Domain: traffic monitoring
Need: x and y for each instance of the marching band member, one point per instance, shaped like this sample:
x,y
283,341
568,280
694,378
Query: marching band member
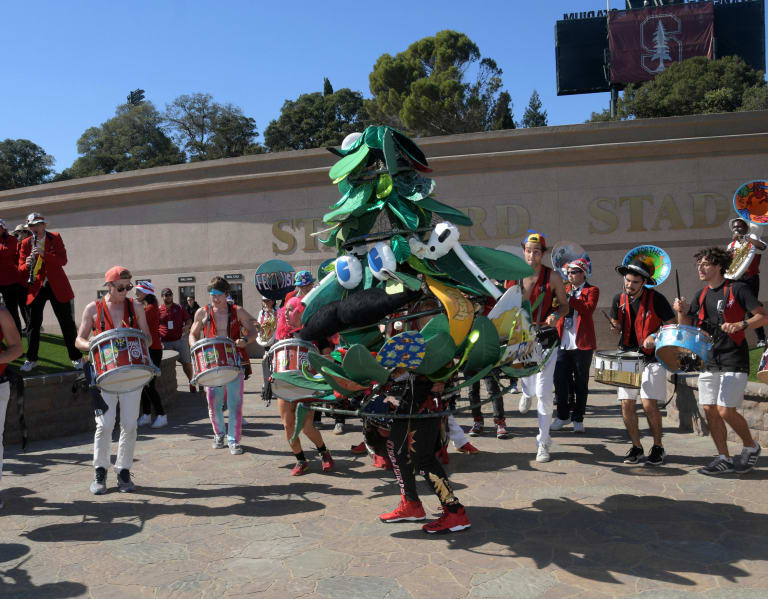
x,y
10,279
637,314
541,384
230,319
577,342
9,334
741,238
150,398
721,309
266,322
113,311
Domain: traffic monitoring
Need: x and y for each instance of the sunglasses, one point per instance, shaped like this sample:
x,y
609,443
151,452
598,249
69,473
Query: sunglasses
x,y
574,272
120,289
167,295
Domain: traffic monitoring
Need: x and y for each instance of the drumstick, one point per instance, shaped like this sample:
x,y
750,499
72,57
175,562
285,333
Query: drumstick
x,y
677,282
610,322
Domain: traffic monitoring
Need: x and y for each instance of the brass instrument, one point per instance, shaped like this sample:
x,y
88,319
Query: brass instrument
x,y
742,258
267,329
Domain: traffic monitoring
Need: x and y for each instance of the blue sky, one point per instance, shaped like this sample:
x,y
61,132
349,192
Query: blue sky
x,y
68,64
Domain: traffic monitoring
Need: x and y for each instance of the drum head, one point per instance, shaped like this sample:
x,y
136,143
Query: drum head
x,y
216,377
125,379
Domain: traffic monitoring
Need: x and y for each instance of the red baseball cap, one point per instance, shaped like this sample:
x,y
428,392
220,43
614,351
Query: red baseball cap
x,y
116,273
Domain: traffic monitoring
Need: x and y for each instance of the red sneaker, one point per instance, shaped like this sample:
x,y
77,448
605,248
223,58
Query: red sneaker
x,y
448,522
299,469
410,511
468,448
381,462
327,462
360,449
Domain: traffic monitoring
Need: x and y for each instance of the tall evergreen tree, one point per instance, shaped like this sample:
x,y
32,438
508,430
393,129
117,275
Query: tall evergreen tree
x,y
327,87
534,116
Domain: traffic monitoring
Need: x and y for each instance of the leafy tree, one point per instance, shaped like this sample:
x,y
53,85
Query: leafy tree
x,y
534,116
502,113
755,98
132,139
426,89
694,86
207,130
23,163
602,117
315,120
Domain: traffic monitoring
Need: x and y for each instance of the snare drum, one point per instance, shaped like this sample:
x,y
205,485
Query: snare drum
x,y
120,359
215,361
676,341
619,368
289,355
762,369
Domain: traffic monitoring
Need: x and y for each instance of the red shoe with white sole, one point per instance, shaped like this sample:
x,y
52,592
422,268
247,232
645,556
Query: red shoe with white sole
x,y
406,511
448,522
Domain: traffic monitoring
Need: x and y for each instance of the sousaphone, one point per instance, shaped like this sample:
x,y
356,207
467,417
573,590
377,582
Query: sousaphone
x,y
565,252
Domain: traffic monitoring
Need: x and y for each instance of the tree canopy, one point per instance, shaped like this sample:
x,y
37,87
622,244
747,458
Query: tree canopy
x,y
132,139
427,89
23,163
316,119
534,116
207,130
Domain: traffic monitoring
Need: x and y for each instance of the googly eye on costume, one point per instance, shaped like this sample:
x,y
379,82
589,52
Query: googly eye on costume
x,y
349,271
381,258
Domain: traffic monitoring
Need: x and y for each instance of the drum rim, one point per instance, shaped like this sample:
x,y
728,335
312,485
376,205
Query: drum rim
x,y
194,380
617,353
211,340
154,370
116,333
685,327
308,345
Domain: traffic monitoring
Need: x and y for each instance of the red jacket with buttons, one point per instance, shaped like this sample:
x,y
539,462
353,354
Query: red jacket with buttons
x,y
9,249
584,306
54,260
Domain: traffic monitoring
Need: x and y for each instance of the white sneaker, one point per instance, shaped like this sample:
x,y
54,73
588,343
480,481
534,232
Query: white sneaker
x,y
338,428
78,364
27,366
578,427
144,420
558,424
160,421
542,455
525,404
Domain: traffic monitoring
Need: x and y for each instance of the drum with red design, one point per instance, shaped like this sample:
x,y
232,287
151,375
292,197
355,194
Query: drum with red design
x,y
290,355
120,359
762,369
215,361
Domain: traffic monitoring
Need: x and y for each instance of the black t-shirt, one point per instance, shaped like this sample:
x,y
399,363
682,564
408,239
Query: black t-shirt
x,y
660,306
726,354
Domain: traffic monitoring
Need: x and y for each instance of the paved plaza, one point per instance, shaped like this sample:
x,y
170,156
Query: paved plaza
x,y
204,523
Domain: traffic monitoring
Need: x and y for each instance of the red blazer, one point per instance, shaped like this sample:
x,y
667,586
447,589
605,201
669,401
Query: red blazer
x,y
585,305
53,268
9,273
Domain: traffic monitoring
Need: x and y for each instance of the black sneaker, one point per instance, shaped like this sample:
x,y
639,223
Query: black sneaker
x,y
716,467
634,455
747,460
99,484
124,482
657,456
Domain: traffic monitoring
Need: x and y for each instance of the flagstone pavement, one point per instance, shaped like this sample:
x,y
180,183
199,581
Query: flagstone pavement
x,y
204,523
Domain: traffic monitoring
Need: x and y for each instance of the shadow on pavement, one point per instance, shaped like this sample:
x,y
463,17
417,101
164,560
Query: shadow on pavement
x,y
16,582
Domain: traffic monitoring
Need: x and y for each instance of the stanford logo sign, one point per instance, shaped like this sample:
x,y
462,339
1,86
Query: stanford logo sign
x,y
661,42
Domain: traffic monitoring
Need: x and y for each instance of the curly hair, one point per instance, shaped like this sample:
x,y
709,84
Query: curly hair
x,y
714,255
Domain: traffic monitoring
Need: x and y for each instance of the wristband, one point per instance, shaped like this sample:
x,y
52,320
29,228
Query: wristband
x,y
746,324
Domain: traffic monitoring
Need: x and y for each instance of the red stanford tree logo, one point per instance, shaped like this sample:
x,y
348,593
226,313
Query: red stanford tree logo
x,y
661,42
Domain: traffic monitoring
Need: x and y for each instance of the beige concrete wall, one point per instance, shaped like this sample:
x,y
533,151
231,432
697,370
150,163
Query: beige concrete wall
x,y
607,186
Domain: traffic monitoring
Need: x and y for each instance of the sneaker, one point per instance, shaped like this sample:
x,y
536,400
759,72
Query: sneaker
x,y
578,427
327,462
542,454
382,462
716,467
501,430
468,448
448,522
218,442
234,448
27,366
514,389
747,460
338,428
160,421
657,456
558,424
477,428
761,343
359,449
124,482
144,420
299,469
78,364
634,455
99,484
525,404
406,511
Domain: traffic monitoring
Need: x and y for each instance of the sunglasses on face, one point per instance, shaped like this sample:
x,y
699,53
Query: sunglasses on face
x,y
167,295
122,288
574,272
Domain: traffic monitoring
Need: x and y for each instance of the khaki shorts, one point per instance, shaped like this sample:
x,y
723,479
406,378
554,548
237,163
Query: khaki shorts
x,y
722,388
182,347
653,385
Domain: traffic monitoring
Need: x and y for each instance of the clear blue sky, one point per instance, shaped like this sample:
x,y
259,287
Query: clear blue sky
x,y
68,64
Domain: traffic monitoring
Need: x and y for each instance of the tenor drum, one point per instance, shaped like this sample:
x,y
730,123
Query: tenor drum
x,y
619,368
120,359
215,362
762,370
675,342
289,355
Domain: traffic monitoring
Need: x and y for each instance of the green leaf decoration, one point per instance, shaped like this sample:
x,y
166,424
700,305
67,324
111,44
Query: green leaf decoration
x,y
422,267
498,264
299,380
410,148
404,211
373,137
362,367
328,291
383,186
439,324
450,263
439,350
400,248
370,337
344,187
349,163
357,199
486,350
411,185
413,283
457,217
390,152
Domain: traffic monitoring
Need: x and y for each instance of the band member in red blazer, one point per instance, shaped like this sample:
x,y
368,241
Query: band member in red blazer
x,y
42,258
577,342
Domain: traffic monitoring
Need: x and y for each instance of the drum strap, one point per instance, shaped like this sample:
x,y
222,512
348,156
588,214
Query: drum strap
x,y
209,324
105,318
730,312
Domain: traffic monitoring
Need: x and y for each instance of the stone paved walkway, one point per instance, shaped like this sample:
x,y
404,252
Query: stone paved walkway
x,y
205,523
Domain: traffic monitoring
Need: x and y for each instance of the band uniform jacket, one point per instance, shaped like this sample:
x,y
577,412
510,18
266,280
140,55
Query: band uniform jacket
x,y
54,259
583,307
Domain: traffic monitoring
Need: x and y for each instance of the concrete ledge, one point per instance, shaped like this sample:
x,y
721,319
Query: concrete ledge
x,y
684,409
52,408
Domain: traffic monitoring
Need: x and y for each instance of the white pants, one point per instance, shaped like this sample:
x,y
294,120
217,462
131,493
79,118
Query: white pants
x,y
542,385
5,393
455,432
105,423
